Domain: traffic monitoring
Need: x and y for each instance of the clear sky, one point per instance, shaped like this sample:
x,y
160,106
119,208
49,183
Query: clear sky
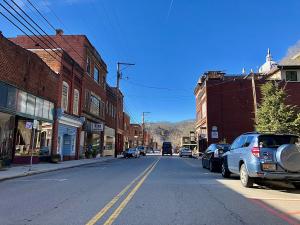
x,y
172,42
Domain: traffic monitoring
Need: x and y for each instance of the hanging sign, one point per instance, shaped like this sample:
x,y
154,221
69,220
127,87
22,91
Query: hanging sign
x,y
28,125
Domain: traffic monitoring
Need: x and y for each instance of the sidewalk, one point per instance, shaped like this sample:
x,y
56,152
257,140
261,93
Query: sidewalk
x,y
23,170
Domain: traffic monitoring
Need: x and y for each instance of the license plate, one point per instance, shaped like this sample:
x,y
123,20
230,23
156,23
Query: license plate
x,y
269,166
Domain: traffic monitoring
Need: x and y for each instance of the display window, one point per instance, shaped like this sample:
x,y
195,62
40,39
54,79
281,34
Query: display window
x,y
38,140
6,135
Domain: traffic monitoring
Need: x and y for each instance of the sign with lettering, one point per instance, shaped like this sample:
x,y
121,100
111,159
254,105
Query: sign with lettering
x,y
97,127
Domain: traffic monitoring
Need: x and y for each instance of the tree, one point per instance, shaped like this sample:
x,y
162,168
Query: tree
x,y
273,114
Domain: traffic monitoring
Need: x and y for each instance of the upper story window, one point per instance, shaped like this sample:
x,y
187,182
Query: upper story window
x,y
96,74
76,102
291,76
88,65
65,96
95,105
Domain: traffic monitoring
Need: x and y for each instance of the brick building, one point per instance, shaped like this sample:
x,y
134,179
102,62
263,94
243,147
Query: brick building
x,y
226,105
126,122
135,135
28,97
93,95
68,124
110,121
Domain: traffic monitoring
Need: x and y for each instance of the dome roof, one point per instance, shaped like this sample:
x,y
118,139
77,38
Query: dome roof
x,y
268,65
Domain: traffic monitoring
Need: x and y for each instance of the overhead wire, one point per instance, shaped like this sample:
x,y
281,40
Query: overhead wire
x,y
33,26
47,50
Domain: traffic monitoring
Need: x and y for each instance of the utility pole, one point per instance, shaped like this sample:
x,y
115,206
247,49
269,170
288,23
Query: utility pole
x,y
143,127
119,77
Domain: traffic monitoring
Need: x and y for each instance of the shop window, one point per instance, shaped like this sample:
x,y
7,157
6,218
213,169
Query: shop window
x,y
51,111
76,102
40,142
6,135
30,106
46,108
39,107
65,96
22,101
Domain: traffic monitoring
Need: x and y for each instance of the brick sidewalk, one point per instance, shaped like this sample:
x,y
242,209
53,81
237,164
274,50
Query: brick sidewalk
x,y
23,170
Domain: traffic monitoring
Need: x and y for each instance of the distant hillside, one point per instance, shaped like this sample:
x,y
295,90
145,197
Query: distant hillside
x,y
167,131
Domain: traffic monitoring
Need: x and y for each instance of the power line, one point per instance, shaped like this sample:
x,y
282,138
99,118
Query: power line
x,y
27,29
23,32
33,26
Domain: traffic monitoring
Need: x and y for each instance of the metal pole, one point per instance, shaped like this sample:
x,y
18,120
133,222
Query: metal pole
x,y
32,145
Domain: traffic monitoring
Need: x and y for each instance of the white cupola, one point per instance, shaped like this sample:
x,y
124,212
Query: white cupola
x,y
268,65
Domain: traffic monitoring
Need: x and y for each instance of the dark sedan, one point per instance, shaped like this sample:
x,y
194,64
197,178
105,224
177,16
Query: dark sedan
x,y
211,158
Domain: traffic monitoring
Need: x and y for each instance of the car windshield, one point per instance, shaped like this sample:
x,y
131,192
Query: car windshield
x,y
274,141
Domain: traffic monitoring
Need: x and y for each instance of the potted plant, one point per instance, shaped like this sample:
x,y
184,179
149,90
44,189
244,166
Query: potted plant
x,y
55,158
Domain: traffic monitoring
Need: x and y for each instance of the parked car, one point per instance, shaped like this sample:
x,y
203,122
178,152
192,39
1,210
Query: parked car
x,y
167,148
185,152
142,150
257,156
131,152
211,158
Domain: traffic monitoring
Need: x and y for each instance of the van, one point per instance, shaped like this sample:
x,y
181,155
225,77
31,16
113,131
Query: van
x,y
167,148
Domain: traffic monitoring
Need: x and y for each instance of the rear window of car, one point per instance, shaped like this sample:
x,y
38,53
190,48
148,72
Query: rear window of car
x,y
274,141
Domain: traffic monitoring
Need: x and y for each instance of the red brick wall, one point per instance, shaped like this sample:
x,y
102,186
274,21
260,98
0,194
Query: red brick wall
x,y
26,71
230,108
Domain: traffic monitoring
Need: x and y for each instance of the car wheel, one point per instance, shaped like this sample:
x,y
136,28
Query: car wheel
x,y
244,177
225,172
211,166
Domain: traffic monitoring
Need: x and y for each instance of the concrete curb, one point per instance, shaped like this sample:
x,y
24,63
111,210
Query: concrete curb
x,y
30,173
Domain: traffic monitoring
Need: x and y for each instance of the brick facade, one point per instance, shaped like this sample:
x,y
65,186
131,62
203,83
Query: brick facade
x,y
225,106
27,72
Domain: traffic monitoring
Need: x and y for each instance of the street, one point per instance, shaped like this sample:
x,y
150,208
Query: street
x,y
147,190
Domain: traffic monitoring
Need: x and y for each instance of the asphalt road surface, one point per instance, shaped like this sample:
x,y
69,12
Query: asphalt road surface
x,y
150,190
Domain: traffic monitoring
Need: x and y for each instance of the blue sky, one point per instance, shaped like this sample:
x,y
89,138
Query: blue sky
x,y
172,42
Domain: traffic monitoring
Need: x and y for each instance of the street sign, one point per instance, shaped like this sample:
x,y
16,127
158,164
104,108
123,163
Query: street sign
x,y
35,124
28,125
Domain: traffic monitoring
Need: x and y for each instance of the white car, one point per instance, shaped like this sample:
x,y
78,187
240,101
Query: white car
x,y
185,152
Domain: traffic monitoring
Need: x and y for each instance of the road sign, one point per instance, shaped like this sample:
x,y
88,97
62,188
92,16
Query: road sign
x,y
28,125
214,134
35,124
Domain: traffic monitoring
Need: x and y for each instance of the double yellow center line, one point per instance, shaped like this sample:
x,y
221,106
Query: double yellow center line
x,y
142,177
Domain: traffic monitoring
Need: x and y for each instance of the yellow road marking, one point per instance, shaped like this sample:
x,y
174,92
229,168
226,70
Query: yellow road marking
x,y
102,212
117,212
277,199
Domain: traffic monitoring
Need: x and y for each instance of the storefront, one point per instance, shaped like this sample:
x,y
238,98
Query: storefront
x,y
109,141
34,125
7,122
68,135
94,135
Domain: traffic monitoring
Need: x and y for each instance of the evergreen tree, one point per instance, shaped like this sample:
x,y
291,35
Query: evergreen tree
x,y
273,115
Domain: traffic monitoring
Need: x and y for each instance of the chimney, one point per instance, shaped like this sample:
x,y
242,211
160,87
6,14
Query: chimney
x,y
59,32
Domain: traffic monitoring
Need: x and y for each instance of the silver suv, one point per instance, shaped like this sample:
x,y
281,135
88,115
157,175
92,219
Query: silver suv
x,y
256,156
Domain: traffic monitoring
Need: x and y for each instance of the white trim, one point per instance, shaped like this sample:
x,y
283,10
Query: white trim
x,y
70,122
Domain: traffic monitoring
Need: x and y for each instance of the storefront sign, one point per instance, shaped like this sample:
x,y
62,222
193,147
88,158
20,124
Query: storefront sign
x,y
97,127
28,125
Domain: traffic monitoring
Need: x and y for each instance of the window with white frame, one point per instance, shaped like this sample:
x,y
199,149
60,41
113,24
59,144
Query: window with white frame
x,y
76,102
65,96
